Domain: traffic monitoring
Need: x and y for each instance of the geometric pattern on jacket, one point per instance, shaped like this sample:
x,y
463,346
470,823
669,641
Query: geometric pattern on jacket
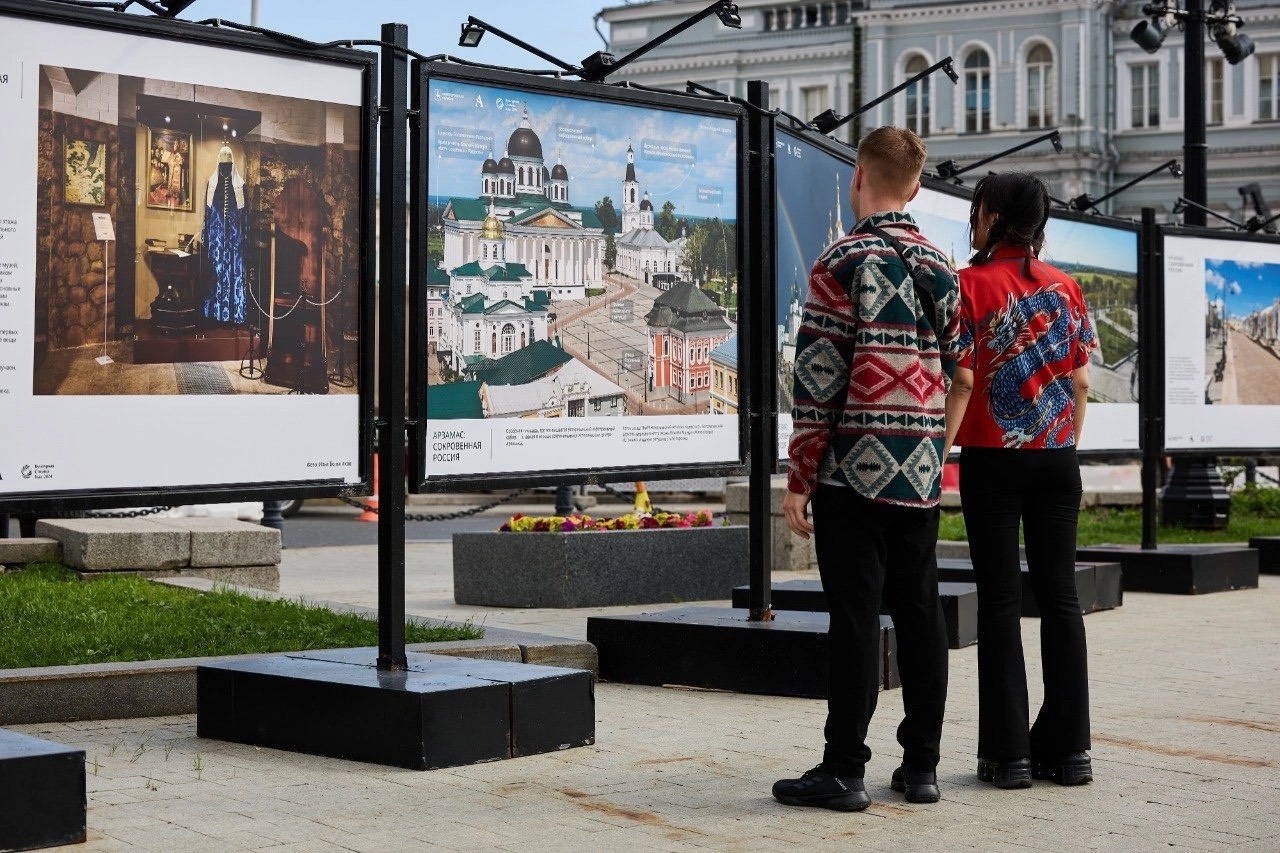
x,y
869,384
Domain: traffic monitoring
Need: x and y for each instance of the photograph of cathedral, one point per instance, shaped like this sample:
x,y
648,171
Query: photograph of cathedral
x,y
599,235
812,212
230,263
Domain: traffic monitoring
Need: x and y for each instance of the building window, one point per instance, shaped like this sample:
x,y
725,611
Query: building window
x,y
1269,87
1144,94
476,340
977,92
1041,89
917,96
1213,91
814,99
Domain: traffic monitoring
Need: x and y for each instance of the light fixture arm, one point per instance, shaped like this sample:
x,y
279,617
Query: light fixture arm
x,y
1185,203
827,122
601,64
1086,201
949,169
518,42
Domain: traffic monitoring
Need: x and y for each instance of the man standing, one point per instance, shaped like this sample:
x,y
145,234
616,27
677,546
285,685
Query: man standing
x,y
869,425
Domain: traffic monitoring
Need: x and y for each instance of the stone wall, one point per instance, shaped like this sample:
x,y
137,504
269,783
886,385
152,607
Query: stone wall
x,y
73,306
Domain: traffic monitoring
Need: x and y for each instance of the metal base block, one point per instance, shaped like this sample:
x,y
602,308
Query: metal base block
x,y
1268,548
716,647
1181,569
959,605
1098,584
42,793
441,712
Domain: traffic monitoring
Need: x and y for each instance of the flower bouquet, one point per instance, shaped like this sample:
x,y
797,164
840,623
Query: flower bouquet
x,y
520,523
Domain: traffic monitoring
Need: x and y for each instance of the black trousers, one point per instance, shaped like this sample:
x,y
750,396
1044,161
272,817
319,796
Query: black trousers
x,y
867,549
999,487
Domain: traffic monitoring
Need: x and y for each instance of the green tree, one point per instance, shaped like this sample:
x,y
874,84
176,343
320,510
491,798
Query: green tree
x,y
608,215
665,224
610,252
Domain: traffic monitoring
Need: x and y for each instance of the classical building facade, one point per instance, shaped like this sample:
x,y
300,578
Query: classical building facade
x,y
1025,67
724,378
560,245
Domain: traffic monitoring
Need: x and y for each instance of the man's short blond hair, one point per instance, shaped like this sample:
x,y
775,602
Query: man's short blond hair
x,y
892,159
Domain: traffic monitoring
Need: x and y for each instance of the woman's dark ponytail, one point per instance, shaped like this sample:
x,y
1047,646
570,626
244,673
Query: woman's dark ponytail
x,y
1020,202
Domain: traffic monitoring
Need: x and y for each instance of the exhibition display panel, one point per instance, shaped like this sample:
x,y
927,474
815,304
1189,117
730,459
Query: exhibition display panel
x,y
1222,340
576,304
184,259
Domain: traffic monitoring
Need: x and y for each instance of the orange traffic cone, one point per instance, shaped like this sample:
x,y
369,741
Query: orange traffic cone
x,y
371,503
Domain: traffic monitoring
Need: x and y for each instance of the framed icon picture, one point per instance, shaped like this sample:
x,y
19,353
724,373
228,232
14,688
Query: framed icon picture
x,y
168,169
85,172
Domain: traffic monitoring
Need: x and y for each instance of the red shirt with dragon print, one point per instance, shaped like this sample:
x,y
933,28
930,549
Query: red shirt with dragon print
x,y
1022,338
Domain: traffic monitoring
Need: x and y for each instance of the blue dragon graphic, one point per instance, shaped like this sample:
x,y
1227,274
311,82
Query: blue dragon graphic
x,y
1020,353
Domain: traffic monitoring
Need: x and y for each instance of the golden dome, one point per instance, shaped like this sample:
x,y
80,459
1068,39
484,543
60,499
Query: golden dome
x,y
492,228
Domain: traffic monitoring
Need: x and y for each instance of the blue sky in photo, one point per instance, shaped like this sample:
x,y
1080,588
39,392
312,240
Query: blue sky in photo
x,y
690,160
811,183
944,220
1246,286
564,29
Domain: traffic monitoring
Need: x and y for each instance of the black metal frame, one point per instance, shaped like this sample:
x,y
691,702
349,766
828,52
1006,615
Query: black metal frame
x,y
1202,232
419,392
165,28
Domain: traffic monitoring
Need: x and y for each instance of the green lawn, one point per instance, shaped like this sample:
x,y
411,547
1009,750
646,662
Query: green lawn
x,y
1253,513
48,617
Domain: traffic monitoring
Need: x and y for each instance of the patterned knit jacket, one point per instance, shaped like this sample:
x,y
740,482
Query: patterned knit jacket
x,y
870,387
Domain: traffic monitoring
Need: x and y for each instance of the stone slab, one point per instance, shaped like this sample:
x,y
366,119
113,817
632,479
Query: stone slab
x,y
597,569
228,542
439,712
257,577
108,544
32,549
1180,569
43,798
718,648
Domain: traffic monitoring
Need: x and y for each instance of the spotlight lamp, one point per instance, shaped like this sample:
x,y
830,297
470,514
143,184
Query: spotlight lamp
x,y
728,15
1235,46
825,122
1223,23
471,34
1149,35
947,169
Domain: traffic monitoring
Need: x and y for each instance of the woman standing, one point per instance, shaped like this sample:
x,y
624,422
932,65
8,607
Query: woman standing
x,y
1016,408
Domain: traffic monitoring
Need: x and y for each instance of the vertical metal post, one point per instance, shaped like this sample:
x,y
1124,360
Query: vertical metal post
x,y
1195,496
1195,182
758,348
392,295
1150,370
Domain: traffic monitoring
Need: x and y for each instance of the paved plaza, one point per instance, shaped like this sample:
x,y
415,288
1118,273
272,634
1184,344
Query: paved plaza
x,y
1186,724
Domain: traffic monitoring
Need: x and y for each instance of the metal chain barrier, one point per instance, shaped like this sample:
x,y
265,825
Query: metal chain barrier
x,y
132,513
440,516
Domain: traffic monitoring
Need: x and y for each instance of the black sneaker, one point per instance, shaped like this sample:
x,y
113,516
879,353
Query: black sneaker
x,y
823,790
1073,769
1014,773
920,786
